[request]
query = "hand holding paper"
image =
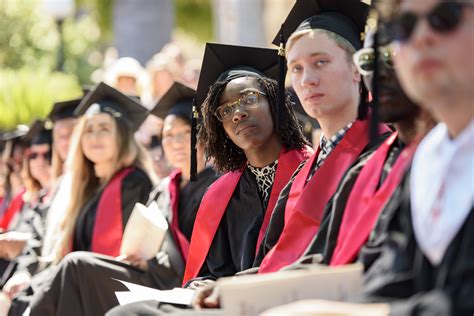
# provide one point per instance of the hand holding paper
(145, 232)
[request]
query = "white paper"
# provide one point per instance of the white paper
(142, 293)
(145, 231)
(252, 294)
(324, 308)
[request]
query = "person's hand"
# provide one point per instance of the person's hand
(12, 244)
(134, 260)
(5, 303)
(194, 285)
(17, 283)
(207, 296)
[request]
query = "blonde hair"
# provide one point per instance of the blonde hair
(83, 182)
(340, 41)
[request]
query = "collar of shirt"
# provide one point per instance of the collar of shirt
(327, 145)
(441, 191)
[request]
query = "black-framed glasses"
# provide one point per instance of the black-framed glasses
(46, 155)
(443, 18)
(364, 58)
(249, 100)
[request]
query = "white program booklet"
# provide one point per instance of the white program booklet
(145, 231)
(324, 308)
(143, 293)
(253, 294)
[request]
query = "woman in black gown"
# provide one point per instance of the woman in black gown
(84, 285)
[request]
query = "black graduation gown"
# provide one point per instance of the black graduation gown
(70, 293)
(402, 275)
(136, 187)
(325, 241)
(335, 205)
(243, 218)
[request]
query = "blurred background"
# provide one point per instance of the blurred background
(52, 49)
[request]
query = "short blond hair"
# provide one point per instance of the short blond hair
(340, 41)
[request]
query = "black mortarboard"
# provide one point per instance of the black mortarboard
(344, 17)
(178, 100)
(63, 110)
(105, 99)
(39, 133)
(225, 63)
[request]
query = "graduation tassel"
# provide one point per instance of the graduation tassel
(374, 119)
(193, 169)
(281, 77)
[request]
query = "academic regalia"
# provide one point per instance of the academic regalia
(324, 241)
(28, 210)
(133, 186)
(233, 217)
(232, 220)
(314, 185)
(425, 266)
(102, 219)
(165, 270)
(404, 276)
(306, 200)
(36, 133)
(369, 196)
(10, 140)
(69, 293)
(14, 207)
(355, 207)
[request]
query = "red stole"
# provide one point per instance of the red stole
(174, 188)
(108, 226)
(366, 202)
(216, 199)
(306, 201)
(16, 204)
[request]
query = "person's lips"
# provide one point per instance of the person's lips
(313, 97)
(243, 127)
(427, 65)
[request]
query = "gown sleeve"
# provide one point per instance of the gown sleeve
(405, 278)
(136, 188)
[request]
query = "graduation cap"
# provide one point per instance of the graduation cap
(178, 100)
(223, 63)
(344, 17)
(226, 62)
(65, 109)
(39, 133)
(105, 99)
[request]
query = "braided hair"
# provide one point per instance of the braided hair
(227, 156)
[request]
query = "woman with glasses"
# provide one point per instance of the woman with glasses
(107, 174)
(256, 143)
(179, 204)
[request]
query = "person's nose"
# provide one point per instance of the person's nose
(240, 113)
